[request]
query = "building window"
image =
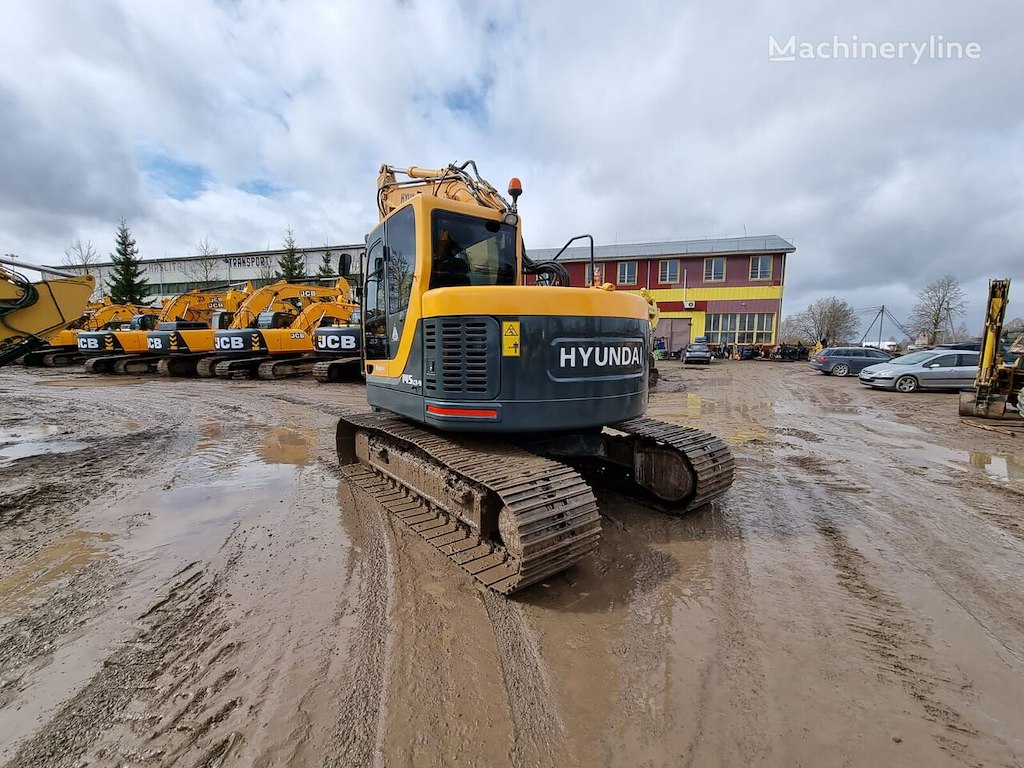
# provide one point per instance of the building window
(740, 328)
(668, 271)
(627, 273)
(760, 267)
(597, 276)
(714, 269)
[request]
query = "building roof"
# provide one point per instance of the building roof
(709, 247)
(273, 252)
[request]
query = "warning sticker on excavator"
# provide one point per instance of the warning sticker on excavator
(510, 338)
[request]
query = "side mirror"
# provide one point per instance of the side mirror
(378, 264)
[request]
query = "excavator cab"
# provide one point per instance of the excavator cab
(221, 319)
(268, 320)
(145, 322)
(455, 339)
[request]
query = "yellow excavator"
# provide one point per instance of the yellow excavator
(194, 351)
(127, 351)
(997, 392)
(29, 312)
(495, 398)
(280, 344)
(62, 346)
(339, 351)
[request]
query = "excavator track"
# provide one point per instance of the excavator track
(52, 357)
(179, 365)
(505, 515)
(283, 369)
(331, 371)
(709, 457)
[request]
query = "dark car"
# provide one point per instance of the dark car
(842, 361)
(697, 353)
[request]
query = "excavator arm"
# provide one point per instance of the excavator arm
(461, 183)
(281, 295)
(31, 311)
(996, 383)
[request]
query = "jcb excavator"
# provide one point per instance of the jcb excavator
(191, 352)
(128, 352)
(29, 312)
(62, 346)
(494, 398)
(339, 351)
(281, 344)
(997, 392)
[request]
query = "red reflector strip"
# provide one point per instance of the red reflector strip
(486, 413)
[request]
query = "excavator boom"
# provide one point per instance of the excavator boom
(996, 385)
(31, 311)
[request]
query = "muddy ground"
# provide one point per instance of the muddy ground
(186, 580)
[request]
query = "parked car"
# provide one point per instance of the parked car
(842, 361)
(697, 353)
(927, 369)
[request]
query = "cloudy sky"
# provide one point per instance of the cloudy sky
(636, 122)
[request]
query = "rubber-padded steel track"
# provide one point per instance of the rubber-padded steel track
(710, 457)
(549, 516)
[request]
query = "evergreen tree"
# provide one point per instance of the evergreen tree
(326, 269)
(290, 266)
(126, 284)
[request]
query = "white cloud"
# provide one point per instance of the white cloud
(643, 122)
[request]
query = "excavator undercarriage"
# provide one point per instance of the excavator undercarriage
(512, 512)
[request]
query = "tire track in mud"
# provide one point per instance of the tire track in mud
(357, 736)
(884, 628)
(116, 716)
(901, 650)
(538, 734)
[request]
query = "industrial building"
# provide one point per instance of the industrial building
(172, 276)
(727, 289)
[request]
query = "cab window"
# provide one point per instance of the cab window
(400, 233)
(375, 301)
(466, 250)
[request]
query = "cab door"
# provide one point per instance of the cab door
(400, 265)
(375, 301)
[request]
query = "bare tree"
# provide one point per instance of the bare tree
(962, 332)
(83, 257)
(790, 331)
(206, 268)
(939, 305)
(830, 320)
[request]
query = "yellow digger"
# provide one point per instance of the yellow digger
(191, 352)
(280, 344)
(495, 398)
(62, 346)
(997, 392)
(29, 312)
(127, 351)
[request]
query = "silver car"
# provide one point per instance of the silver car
(927, 369)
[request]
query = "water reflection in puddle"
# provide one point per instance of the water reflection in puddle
(1002, 466)
(11, 451)
(64, 557)
(286, 445)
